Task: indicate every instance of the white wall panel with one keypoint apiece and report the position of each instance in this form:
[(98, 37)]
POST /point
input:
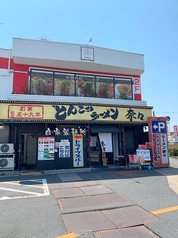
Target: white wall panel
[(69, 99), (5, 53), (65, 55)]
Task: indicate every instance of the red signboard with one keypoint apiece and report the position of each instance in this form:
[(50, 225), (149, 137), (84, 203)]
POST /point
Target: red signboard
[(158, 141), (25, 111)]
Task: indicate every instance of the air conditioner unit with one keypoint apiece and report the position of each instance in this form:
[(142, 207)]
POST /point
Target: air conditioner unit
[(7, 148), (7, 163)]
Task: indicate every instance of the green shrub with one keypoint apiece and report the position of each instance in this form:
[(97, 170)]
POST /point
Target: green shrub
[(173, 150)]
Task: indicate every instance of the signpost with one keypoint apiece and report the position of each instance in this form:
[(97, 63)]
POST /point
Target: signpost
[(158, 138)]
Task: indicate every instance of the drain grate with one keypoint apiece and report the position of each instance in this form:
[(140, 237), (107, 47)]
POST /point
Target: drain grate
[(136, 232)]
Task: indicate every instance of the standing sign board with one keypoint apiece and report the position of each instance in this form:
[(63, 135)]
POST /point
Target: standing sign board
[(158, 138)]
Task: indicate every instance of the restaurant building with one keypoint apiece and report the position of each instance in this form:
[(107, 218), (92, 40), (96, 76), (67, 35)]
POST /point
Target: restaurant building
[(67, 105)]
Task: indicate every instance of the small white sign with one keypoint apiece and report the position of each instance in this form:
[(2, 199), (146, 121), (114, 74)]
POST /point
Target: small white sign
[(145, 154), (87, 53)]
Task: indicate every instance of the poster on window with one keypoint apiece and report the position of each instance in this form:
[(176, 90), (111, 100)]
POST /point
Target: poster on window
[(64, 149), (106, 142), (145, 154), (45, 148), (78, 160)]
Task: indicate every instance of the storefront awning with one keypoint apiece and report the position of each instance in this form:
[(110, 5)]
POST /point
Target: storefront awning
[(104, 129)]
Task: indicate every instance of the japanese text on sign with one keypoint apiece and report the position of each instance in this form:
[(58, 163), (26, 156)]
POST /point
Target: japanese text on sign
[(78, 151), (131, 115), (25, 111), (164, 149), (62, 113)]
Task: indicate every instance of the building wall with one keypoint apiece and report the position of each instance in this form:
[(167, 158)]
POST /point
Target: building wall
[(21, 111), (69, 56), (6, 78), (15, 64)]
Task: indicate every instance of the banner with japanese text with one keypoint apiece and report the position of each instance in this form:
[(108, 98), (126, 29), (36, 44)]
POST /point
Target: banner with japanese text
[(105, 142), (78, 157), (158, 138), (39, 112)]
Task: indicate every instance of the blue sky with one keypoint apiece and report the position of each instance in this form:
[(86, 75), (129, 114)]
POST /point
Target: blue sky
[(149, 27)]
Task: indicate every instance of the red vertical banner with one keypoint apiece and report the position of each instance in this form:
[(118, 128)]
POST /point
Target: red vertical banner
[(137, 89), (159, 141)]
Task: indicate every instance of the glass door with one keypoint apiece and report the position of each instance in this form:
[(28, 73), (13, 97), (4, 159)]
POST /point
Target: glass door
[(94, 149)]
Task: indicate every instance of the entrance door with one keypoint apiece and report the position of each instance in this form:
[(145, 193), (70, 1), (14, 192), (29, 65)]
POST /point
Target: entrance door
[(29, 150), (94, 149)]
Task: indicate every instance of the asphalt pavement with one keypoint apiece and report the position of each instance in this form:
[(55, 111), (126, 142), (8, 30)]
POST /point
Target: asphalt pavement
[(103, 202)]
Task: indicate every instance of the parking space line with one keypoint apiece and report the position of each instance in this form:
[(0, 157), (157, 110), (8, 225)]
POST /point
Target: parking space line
[(168, 209), (70, 235), (43, 186), (26, 185), (20, 191)]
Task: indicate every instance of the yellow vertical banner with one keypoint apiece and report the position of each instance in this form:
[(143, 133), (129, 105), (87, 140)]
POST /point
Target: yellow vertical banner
[(78, 157)]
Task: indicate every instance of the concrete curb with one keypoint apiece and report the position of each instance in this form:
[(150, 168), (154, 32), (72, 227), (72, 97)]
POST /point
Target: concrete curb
[(57, 171)]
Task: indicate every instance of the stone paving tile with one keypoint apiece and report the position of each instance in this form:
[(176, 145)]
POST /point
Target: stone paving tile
[(87, 221), (94, 190), (68, 192), (89, 202), (108, 219), (132, 232), (72, 185), (130, 216)]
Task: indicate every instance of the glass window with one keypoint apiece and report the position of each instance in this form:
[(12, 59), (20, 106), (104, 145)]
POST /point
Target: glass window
[(123, 89), (85, 86), (41, 82), (45, 82), (64, 84), (104, 87), (4, 134)]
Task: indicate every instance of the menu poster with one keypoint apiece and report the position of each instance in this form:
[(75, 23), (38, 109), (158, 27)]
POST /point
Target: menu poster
[(64, 149), (46, 148)]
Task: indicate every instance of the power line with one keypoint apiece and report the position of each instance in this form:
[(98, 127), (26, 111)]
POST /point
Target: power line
[(166, 112)]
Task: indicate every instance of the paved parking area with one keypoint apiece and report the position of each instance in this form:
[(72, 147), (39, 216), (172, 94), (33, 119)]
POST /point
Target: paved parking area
[(128, 203)]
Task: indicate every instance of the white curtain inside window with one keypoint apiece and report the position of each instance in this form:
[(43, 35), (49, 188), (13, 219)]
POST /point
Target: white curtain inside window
[(106, 141)]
